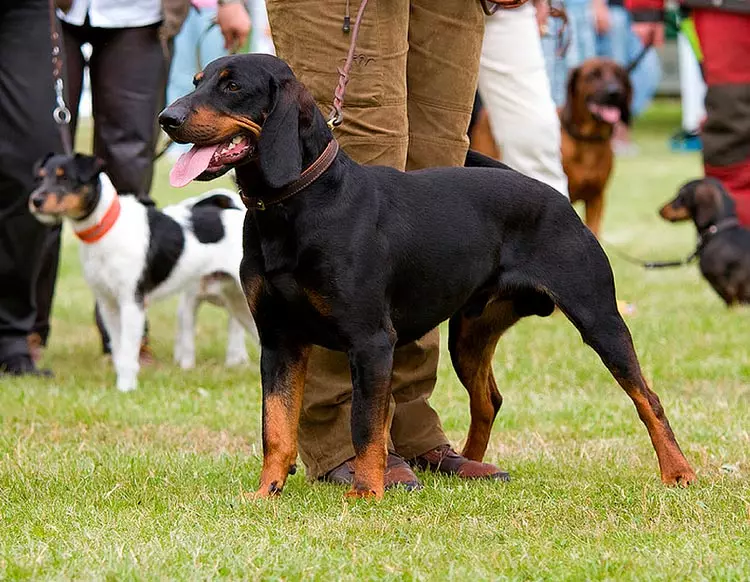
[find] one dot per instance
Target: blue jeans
(194, 48)
(581, 35)
(621, 44)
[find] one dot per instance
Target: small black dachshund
(365, 258)
(723, 245)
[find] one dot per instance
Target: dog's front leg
(371, 365)
(283, 364)
(132, 321)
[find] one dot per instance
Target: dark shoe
(445, 460)
(21, 365)
(397, 473)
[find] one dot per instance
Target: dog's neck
(102, 201)
(579, 124)
(314, 137)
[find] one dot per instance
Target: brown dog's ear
(278, 146)
(570, 98)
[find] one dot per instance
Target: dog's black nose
(613, 91)
(171, 118)
(37, 200)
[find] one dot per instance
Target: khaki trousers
(407, 105)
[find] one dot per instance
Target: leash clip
(61, 113)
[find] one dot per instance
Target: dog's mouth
(211, 161)
(607, 110)
(609, 114)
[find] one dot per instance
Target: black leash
(703, 237)
(61, 113)
(653, 264)
(637, 60)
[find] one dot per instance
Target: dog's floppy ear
(708, 202)
(278, 146)
(88, 167)
(40, 163)
(570, 95)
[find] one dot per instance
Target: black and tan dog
(598, 98)
(723, 245)
(363, 259)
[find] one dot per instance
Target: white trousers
(514, 88)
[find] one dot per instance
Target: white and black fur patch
(148, 255)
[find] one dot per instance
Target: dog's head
(599, 89)
(704, 201)
(65, 186)
(245, 108)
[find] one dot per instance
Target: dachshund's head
(65, 186)
(704, 201)
(599, 89)
(244, 109)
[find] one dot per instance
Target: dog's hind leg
(472, 341)
(184, 345)
(589, 302)
(236, 350)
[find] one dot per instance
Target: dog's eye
(232, 86)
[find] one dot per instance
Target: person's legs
(45, 285)
(27, 132)
(582, 34)
(515, 90)
(374, 132)
(198, 43)
(725, 44)
(128, 74)
(557, 71)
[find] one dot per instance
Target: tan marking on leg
(675, 470)
(369, 470)
(472, 356)
(281, 413)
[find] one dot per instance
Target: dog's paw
(236, 360)
(358, 492)
(186, 363)
(682, 478)
(127, 384)
(265, 491)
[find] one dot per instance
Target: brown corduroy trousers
(408, 105)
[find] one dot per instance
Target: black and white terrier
(134, 254)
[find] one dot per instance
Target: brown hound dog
(362, 259)
(598, 97)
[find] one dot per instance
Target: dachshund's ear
(88, 167)
(708, 203)
(278, 146)
(40, 163)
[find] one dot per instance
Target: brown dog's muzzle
(669, 212)
(221, 141)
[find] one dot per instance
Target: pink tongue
(609, 114)
(191, 164)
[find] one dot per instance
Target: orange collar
(96, 232)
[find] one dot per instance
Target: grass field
(95, 484)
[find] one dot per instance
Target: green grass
(95, 484)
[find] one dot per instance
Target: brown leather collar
(311, 173)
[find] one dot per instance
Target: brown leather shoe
(397, 473)
(445, 460)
